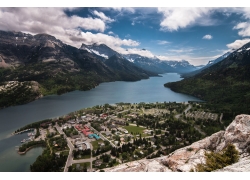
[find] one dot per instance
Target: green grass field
(135, 130)
(95, 143)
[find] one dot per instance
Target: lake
(12, 118)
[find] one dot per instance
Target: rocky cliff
(187, 158)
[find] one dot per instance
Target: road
(200, 131)
(104, 138)
(71, 148)
(189, 107)
(196, 127)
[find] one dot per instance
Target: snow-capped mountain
(210, 63)
(154, 64)
(100, 50)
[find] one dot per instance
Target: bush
(214, 161)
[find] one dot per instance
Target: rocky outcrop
(187, 158)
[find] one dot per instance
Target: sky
(196, 34)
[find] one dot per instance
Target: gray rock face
(187, 158)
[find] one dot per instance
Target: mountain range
(150, 64)
(56, 68)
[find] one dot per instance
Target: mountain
(191, 157)
(224, 85)
(158, 66)
(100, 50)
(150, 64)
(126, 70)
(210, 63)
(154, 64)
(56, 67)
(181, 66)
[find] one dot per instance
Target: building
(94, 136)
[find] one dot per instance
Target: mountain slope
(186, 159)
(158, 66)
(126, 70)
(225, 85)
(101, 50)
(210, 63)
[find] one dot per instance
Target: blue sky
(193, 34)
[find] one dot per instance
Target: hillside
(56, 67)
(210, 63)
(225, 85)
(126, 70)
(190, 157)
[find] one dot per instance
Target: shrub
(228, 156)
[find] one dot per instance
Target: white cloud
(182, 50)
(208, 36)
(238, 43)
(44, 20)
(176, 18)
(244, 28)
(103, 16)
(52, 21)
(90, 38)
(124, 9)
(162, 42)
(111, 32)
(141, 52)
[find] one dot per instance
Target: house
(75, 136)
(87, 145)
(98, 162)
(108, 133)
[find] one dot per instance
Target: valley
(125, 89)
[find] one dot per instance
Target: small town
(99, 137)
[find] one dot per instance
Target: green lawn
(83, 157)
(95, 143)
(65, 153)
(135, 130)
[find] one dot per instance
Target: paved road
(200, 131)
(196, 127)
(71, 148)
(189, 107)
(101, 136)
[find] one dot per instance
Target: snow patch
(248, 49)
(87, 49)
(239, 50)
(97, 53)
(131, 60)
